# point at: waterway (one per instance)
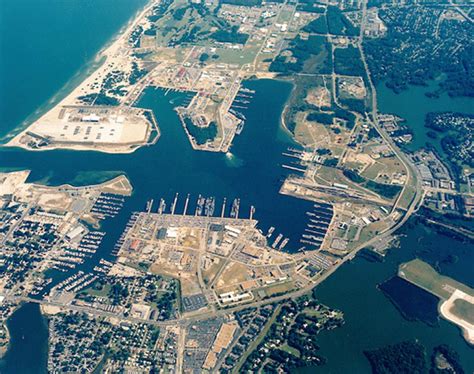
(413, 105)
(372, 321)
(252, 172)
(28, 351)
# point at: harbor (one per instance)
(172, 167)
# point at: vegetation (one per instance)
(310, 6)
(456, 131)
(322, 118)
(318, 26)
(291, 340)
(136, 73)
(347, 61)
(405, 357)
(242, 2)
(230, 36)
(203, 57)
(201, 134)
(388, 191)
(338, 24)
(99, 99)
(315, 47)
(353, 176)
(354, 105)
(445, 360)
(410, 55)
(179, 13)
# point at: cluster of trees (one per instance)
(203, 57)
(302, 50)
(404, 357)
(296, 329)
(135, 36)
(327, 119)
(99, 99)
(118, 293)
(388, 191)
(456, 131)
(179, 13)
(159, 10)
(230, 36)
(338, 24)
(201, 134)
(323, 118)
(447, 354)
(150, 31)
(410, 357)
(347, 61)
(310, 6)
(189, 36)
(242, 2)
(354, 105)
(318, 26)
(136, 73)
(166, 304)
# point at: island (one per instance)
(456, 299)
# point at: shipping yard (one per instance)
(108, 129)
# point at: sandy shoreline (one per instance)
(114, 53)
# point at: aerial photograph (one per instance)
(237, 186)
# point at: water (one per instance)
(412, 105)
(372, 321)
(29, 342)
(44, 44)
(173, 166)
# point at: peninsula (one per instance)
(456, 299)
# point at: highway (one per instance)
(412, 177)
(412, 181)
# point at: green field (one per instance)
(424, 276)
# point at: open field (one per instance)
(424, 276)
(459, 309)
(457, 299)
(464, 308)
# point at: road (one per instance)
(412, 177)
(412, 180)
(15, 225)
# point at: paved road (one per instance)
(413, 206)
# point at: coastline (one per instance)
(80, 77)
(4, 348)
(444, 308)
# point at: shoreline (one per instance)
(445, 310)
(81, 76)
(4, 350)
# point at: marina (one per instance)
(320, 217)
(108, 205)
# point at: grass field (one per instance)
(424, 276)
(99, 293)
(279, 288)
